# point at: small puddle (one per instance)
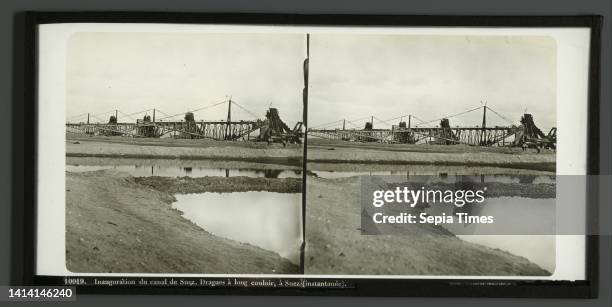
(175, 171)
(271, 221)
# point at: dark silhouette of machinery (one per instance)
(530, 136)
(526, 135)
(275, 130)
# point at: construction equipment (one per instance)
(275, 130)
(525, 135)
(530, 136)
(190, 128)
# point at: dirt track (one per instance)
(227, 153)
(415, 155)
(114, 224)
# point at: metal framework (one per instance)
(216, 130)
(526, 134)
(459, 135)
(270, 129)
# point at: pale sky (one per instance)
(179, 72)
(355, 76)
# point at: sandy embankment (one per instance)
(113, 148)
(186, 185)
(335, 245)
(342, 152)
(114, 224)
(544, 162)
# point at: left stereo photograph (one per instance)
(183, 152)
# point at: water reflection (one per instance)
(443, 176)
(269, 220)
(143, 170)
(176, 171)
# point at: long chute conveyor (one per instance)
(526, 135)
(270, 129)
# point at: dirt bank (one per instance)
(322, 151)
(334, 244)
(352, 155)
(172, 142)
(195, 150)
(429, 148)
(327, 152)
(186, 185)
(115, 225)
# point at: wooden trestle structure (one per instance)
(270, 129)
(216, 130)
(527, 134)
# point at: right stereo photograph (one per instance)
(454, 134)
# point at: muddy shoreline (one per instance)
(111, 215)
(186, 185)
(335, 245)
(289, 161)
(206, 164)
(177, 149)
(116, 225)
(292, 155)
(438, 155)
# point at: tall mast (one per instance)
(229, 119)
(483, 136)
